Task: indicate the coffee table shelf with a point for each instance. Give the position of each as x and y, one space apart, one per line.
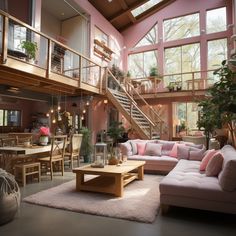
110 179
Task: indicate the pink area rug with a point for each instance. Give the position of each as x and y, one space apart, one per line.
140 202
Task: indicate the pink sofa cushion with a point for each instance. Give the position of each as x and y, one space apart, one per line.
227 177
126 148
153 149
183 152
173 152
196 155
166 146
141 148
208 155
214 166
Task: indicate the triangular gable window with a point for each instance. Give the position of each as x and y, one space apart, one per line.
150 38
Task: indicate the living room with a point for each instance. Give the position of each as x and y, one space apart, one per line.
186 57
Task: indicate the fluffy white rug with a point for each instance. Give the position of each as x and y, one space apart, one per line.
140 201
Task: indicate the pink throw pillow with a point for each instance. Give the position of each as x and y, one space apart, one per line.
141 148
174 150
209 154
214 166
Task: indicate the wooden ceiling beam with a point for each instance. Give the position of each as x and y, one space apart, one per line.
125 11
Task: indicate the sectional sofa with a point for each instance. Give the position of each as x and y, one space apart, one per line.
186 184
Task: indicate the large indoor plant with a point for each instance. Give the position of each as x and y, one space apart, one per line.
86 145
219 108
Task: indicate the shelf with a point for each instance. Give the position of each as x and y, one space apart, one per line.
102 50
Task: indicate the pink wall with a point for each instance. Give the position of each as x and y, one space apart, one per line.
26 107
98 20
180 7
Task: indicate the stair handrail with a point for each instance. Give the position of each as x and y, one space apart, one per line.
159 120
132 101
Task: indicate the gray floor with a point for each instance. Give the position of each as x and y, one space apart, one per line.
33 220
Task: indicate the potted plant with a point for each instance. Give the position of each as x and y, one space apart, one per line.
86 145
44 133
30 49
178 85
153 72
115 131
171 86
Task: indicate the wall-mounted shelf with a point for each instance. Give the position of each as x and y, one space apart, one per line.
101 50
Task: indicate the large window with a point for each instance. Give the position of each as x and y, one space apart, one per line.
101 36
181 27
10 118
217 52
185 117
216 20
181 59
150 38
141 63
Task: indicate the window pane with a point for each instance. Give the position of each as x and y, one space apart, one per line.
141 63
1 117
217 52
181 27
13 118
216 20
136 65
101 36
139 10
150 38
173 60
191 57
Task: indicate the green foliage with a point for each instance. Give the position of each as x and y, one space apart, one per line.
219 108
30 48
153 71
115 131
86 145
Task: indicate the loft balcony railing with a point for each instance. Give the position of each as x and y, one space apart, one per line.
187 81
49 56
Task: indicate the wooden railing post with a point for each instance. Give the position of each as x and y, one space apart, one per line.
49 58
106 78
193 84
80 71
5 39
100 79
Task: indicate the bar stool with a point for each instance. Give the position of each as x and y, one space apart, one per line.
21 171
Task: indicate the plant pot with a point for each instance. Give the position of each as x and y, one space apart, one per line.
87 158
113 161
43 140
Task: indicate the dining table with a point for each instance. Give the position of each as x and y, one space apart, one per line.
9 152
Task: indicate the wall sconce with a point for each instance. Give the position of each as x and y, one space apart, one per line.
105 102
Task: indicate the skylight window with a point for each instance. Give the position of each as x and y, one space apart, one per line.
139 10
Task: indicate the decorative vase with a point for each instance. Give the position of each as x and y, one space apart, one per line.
43 140
113 161
9 197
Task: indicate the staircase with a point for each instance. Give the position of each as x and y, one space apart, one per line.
145 126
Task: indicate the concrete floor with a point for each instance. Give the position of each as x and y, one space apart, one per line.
34 220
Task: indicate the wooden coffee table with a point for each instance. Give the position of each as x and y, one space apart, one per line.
110 179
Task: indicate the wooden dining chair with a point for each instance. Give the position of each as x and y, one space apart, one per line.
73 150
8 159
56 155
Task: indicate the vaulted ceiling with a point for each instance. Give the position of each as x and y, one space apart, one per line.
118 12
